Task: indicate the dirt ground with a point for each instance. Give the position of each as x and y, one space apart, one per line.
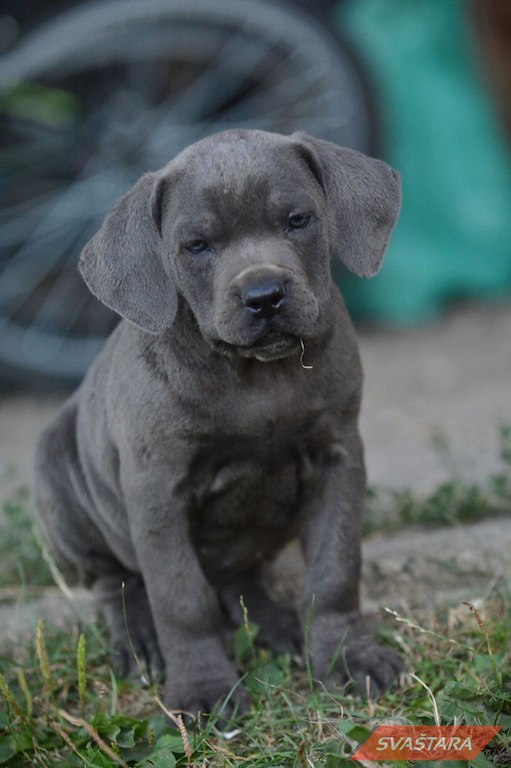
452 377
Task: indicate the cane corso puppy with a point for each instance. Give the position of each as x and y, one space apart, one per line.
220 419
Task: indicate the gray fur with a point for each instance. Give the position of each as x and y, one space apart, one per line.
198 445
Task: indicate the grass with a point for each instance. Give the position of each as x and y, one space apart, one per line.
60 704
63 707
21 563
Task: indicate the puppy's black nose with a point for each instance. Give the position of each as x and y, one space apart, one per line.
265 299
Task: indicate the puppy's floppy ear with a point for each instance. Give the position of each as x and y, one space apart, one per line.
123 265
364 198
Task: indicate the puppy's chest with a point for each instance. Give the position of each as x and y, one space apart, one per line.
249 488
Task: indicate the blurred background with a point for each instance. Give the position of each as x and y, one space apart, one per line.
95 93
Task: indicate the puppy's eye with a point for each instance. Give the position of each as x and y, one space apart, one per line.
298 220
197 246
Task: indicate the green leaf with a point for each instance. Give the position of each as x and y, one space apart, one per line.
459 691
481 761
484 664
264 674
338 761
122 730
336 756
358 733
172 741
452 763
159 759
11 745
98 759
126 738
163 755
8 748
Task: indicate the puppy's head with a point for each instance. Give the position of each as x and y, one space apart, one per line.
242 226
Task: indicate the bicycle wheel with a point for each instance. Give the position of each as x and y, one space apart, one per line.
108 90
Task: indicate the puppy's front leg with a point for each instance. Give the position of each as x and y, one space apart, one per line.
341 649
184 606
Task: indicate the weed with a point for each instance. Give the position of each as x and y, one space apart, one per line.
81 666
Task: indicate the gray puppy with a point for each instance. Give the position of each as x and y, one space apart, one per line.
220 419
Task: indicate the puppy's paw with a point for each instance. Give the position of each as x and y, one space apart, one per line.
367 668
138 654
356 662
225 697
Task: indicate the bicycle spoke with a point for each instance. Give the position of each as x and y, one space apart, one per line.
54 342
54 234
281 95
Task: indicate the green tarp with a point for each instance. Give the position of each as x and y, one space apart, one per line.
441 131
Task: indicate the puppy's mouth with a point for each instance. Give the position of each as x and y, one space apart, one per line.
272 346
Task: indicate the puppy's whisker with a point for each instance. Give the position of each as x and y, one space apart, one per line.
307 367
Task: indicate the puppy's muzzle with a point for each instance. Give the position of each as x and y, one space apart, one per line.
264 311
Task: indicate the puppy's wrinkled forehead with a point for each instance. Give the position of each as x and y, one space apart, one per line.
240 173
